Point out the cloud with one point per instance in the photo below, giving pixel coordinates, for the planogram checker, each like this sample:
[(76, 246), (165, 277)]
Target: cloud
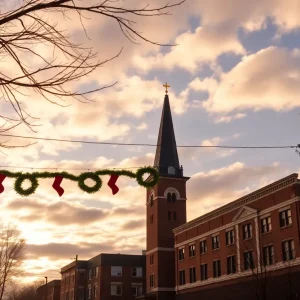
[(268, 79), (203, 46), (212, 189)]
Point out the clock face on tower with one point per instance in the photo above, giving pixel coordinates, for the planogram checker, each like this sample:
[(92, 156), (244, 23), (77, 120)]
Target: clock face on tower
[(171, 170)]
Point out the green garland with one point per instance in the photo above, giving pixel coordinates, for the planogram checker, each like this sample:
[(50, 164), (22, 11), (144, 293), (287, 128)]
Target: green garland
[(33, 178)]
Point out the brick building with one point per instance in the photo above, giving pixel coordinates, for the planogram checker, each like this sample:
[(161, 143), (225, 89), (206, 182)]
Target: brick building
[(49, 291), (246, 249), (106, 276)]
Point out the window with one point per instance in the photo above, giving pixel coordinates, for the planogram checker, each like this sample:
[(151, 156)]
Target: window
[(231, 265), (203, 269), (268, 255), (266, 225), (151, 259), (192, 250), (181, 277), (67, 296), (95, 290), (217, 268), (288, 250), (152, 280), (90, 274), (73, 277), (136, 290), (248, 260), (89, 292), (174, 215), (169, 215), (229, 237), (169, 197), (203, 247), (151, 219), (151, 200), (116, 289), (192, 274), (216, 242), (285, 218), (173, 197), (116, 271), (181, 254), (247, 231), (137, 272), (96, 272)]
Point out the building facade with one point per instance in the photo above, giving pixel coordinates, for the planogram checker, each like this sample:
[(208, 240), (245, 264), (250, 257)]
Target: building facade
[(246, 249), (106, 276), (49, 291)]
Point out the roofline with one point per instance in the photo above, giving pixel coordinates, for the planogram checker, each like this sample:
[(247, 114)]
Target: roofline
[(288, 180)]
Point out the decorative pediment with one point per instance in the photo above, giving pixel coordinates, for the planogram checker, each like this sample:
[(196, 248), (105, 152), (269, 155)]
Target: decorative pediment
[(244, 212)]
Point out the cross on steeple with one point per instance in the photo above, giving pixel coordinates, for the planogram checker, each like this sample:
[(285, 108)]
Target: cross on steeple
[(166, 86)]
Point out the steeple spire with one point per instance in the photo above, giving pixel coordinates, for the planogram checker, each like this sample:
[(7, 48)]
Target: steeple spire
[(166, 157)]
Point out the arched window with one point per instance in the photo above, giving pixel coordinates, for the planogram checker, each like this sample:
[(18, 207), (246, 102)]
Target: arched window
[(173, 197), (169, 197), (151, 200)]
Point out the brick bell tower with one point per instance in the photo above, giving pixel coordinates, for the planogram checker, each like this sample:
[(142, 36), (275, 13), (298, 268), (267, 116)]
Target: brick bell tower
[(166, 210)]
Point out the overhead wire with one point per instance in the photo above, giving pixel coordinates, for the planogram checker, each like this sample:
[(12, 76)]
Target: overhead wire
[(152, 145)]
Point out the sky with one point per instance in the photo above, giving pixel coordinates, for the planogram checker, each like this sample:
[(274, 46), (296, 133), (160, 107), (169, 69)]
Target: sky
[(235, 80)]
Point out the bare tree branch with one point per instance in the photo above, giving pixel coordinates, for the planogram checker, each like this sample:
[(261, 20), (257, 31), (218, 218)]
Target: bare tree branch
[(26, 27)]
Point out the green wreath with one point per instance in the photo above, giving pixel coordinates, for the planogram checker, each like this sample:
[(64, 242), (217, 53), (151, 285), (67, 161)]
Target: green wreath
[(19, 181), (153, 176), (86, 188)]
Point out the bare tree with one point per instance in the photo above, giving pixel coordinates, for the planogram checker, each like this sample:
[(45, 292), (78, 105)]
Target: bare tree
[(25, 292), (27, 25), (11, 255)]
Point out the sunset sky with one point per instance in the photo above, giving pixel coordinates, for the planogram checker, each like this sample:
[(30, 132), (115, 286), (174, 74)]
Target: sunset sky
[(235, 80)]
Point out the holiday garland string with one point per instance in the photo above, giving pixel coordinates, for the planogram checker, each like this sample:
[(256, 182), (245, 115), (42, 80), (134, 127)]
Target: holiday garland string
[(34, 176)]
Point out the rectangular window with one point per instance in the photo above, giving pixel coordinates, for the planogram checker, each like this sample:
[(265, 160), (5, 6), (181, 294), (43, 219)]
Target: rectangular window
[(266, 225), (229, 237), (116, 289), (90, 274), (216, 242), (203, 247), (67, 296), (203, 269), (248, 260), (192, 274), (169, 215), (174, 215), (136, 290), (95, 290), (137, 272), (247, 231), (288, 250), (116, 271), (285, 218), (181, 277), (151, 219), (268, 255), (89, 292), (151, 259), (152, 280), (231, 265), (217, 268), (192, 250), (181, 254)]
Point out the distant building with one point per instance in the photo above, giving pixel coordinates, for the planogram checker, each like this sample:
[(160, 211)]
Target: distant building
[(104, 277), (49, 291)]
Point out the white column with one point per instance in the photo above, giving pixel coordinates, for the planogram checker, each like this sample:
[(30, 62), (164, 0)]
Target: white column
[(257, 242), (238, 248)]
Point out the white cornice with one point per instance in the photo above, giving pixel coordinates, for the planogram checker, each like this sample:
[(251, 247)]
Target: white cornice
[(160, 249), (254, 196)]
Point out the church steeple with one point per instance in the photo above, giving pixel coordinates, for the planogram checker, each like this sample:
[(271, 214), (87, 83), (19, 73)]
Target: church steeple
[(166, 157)]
